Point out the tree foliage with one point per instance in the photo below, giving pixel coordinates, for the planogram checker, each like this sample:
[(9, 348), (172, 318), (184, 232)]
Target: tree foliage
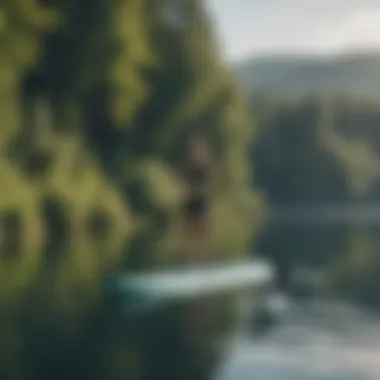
[(97, 100), (320, 152)]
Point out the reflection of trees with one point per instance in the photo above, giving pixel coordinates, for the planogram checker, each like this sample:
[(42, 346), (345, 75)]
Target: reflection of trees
[(295, 166)]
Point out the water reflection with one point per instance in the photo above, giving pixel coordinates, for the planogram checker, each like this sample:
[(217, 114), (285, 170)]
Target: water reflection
[(55, 323), (59, 316), (313, 340), (321, 259)]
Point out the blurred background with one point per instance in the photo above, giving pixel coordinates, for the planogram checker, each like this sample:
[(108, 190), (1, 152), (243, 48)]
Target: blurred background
[(98, 100)]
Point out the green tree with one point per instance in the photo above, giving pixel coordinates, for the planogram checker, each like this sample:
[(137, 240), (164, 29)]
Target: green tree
[(297, 167), (99, 98)]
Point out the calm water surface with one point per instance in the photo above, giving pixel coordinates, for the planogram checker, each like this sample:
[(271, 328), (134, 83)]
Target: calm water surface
[(313, 340)]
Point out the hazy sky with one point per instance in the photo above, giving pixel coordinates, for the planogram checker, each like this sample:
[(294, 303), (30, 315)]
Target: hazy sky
[(248, 27)]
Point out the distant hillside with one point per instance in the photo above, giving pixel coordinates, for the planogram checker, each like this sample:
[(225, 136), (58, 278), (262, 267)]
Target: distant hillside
[(355, 74)]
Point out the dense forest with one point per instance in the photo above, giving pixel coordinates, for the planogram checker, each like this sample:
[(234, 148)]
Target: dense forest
[(320, 151), (97, 101)]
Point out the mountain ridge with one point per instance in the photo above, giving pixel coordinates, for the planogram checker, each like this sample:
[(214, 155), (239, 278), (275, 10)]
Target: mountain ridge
[(348, 73)]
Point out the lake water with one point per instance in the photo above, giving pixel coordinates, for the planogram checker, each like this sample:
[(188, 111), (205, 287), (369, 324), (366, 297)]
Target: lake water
[(313, 340)]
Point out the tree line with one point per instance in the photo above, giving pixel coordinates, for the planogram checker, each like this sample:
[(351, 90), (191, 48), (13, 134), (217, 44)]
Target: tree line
[(97, 101), (320, 150)]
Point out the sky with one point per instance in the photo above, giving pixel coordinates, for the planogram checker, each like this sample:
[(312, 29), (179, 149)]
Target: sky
[(247, 28)]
